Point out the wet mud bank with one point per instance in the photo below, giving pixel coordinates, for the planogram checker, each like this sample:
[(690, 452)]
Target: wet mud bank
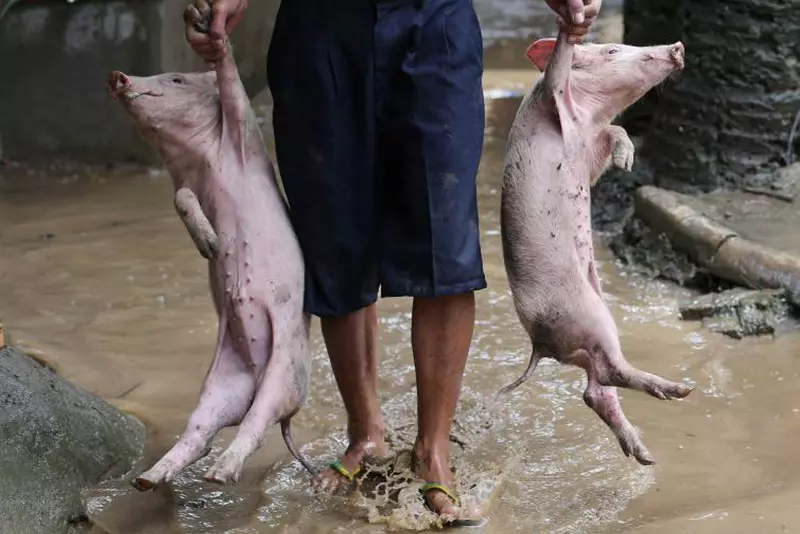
[(704, 242)]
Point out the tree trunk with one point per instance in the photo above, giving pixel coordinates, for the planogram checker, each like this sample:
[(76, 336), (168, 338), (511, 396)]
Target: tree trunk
[(726, 121), (647, 23)]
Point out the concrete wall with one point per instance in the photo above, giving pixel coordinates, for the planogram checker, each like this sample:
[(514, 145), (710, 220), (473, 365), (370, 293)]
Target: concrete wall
[(55, 59)]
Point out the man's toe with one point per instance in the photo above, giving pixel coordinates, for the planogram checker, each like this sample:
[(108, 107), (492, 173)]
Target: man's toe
[(441, 504)]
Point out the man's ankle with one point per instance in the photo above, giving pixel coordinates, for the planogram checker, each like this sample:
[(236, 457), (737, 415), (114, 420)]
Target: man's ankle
[(374, 432)]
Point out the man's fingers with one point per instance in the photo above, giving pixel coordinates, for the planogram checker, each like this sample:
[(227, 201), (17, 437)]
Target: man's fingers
[(233, 21), (195, 37), (591, 11), (203, 7), (575, 11), (206, 50), (191, 15), (219, 15)]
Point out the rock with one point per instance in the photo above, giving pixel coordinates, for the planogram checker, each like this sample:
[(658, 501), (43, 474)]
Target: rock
[(740, 312), (57, 439)]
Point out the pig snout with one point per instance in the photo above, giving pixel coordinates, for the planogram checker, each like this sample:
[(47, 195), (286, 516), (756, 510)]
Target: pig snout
[(676, 53), (118, 83)]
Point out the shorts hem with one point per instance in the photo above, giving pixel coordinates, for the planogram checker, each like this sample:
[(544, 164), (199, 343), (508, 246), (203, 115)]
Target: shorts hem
[(340, 311), (411, 290)]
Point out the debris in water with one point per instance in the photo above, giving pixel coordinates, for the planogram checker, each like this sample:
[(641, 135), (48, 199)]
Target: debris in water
[(739, 313)]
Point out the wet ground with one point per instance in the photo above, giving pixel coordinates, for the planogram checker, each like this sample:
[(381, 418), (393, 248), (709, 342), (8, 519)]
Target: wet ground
[(99, 276)]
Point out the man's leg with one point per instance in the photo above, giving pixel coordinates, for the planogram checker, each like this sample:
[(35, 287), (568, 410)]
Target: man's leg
[(441, 333), (352, 343), (321, 76), (431, 137)]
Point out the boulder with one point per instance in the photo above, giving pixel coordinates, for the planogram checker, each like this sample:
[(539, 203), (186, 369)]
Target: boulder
[(55, 440)]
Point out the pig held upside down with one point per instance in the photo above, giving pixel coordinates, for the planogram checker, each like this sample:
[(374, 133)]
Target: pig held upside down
[(560, 143), (204, 128)]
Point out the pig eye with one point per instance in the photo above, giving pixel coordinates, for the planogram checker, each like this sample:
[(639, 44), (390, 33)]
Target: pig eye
[(177, 80), (612, 50)]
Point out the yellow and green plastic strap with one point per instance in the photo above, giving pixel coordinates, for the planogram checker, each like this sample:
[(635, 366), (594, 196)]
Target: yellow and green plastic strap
[(342, 470), (444, 489)]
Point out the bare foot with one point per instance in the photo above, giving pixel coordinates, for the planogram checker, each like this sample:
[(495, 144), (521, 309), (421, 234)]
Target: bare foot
[(433, 466), (358, 451)]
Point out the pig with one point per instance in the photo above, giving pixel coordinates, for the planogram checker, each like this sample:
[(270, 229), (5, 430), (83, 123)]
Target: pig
[(226, 194), (559, 144)]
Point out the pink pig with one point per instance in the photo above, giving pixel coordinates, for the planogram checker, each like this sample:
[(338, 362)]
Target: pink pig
[(226, 193), (560, 143)]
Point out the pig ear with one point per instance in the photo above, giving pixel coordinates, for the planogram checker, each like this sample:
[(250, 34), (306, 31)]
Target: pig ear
[(539, 52)]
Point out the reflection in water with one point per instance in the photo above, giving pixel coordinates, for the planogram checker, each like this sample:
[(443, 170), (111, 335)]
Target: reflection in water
[(99, 275)]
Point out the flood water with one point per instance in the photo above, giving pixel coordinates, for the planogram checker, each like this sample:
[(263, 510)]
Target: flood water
[(100, 278)]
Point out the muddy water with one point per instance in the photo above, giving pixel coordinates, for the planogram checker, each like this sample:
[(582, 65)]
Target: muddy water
[(99, 276)]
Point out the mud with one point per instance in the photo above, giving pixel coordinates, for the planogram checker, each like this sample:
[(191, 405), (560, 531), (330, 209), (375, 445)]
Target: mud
[(650, 253)]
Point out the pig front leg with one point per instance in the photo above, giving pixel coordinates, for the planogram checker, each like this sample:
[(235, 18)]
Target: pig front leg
[(622, 148), (200, 229), (614, 147), (232, 95)]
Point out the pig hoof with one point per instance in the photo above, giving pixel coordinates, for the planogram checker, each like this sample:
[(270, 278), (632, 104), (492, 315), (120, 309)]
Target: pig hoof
[(209, 248), (632, 445), (623, 157), (225, 470), (143, 484), (670, 391), (218, 476), (637, 450), (643, 456)]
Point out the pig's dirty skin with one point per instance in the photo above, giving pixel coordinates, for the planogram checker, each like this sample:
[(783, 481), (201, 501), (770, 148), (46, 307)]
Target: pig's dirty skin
[(226, 194), (560, 143)]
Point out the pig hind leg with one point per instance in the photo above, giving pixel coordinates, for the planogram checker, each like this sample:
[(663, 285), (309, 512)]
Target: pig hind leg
[(227, 392), (605, 361), (605, 402), (278, 397), (616, 371)]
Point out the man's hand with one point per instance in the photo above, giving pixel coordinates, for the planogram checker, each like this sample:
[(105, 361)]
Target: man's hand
[(575, 17), (224, 15)]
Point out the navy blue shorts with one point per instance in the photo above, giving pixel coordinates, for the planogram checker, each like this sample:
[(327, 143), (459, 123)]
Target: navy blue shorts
[(378, 120)]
